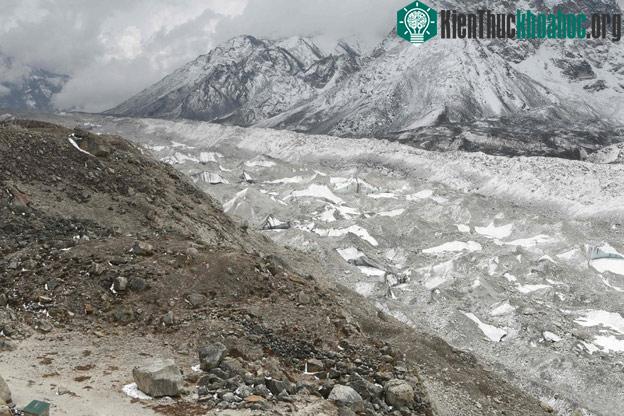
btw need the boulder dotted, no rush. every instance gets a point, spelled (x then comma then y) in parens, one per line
(159, 378)
(399, 393)
(123, 314)
(141, 248)
(120, 284)
(210, 356)
(169, 319)
(365, 388)
(278, 386)
(5, 393)
(315, 365)
(344, 395)
(197, 300)
(137, 284)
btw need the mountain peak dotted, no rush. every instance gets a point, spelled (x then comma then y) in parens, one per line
(24, 87)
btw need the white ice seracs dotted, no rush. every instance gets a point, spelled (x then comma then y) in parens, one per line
(493, 333)
(492, 231)
(454, 246)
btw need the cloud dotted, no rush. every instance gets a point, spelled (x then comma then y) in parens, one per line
(367, 21)
(113, 49)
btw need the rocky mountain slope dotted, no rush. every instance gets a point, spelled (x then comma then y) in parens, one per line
(26, 88)
(111, 262)
(244, 81)
(503, 97)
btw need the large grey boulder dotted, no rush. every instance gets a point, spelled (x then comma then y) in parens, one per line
(344, 395)
(158, 379)
(399, 393)
(210, 356)
(5, 393)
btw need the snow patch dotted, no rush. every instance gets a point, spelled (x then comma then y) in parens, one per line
(393, 213)
(454, 246)
(318, 191)
(372, 271)
(427, 193)
(462, 228)
(551, 336)
(350, 253)
(132, 390)
(611, 320)
(525, 289)
(492, 231)
(354, 229)
(502, 309)
(531, 242)
(493, 333)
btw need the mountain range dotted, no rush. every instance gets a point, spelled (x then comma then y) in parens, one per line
(492, 95)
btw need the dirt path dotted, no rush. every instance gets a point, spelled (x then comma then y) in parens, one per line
(92, 369)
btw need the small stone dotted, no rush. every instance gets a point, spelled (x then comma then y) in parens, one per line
(137, 284)
(547, 408)
(5, 411)
(231, 397)
(120, 284)
(278, 386)
(233, 367)
(345, 411)
(399, 393)
(123, 314)
(197, 300)
(44, 327)
(284, 396)
(210, 356)
(244, 391)
(304, 298)
(192, 252)
(344, 395)
(168, 319)
(315, 365)
(3, 300)
(158, 379)
(141, 248)
(262, 390)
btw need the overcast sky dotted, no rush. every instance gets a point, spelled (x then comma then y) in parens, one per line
(114, 48)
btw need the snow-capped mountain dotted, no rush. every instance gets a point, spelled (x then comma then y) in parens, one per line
(510, 97)
(245, 80)
(26, 88)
